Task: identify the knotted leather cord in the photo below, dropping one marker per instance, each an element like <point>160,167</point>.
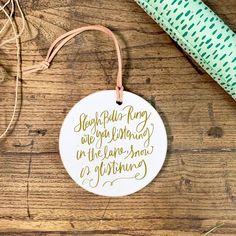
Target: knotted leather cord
<point>55,48</point>
<point>63,39</point>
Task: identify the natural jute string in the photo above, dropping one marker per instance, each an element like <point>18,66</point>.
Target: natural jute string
<point>18,51</point>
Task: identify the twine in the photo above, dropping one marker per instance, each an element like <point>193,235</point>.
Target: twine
<point>16,37</point>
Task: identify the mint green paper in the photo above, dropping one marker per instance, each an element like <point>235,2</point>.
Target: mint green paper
<point>201,33</point>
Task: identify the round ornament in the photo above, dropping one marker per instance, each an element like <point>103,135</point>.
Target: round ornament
<point>110,149</point>
<point>112,143</point>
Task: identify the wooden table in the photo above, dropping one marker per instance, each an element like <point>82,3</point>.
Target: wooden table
<point>195,190</point>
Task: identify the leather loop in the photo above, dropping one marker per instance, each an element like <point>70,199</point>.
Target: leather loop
<point>63,39</point>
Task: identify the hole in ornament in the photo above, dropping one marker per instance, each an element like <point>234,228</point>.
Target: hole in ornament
<point>119,103</point>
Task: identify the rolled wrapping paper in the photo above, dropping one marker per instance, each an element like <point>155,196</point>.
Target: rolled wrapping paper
<point>201,33</point>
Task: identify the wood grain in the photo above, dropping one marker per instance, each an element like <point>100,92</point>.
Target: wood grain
<point>195,190</point>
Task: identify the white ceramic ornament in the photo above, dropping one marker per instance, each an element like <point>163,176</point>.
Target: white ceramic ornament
<point>112,143</point>
<point>110,149</point>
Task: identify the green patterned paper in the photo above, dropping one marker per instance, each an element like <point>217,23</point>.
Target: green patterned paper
<point>201,33</point>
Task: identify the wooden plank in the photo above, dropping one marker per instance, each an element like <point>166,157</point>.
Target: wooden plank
<point>197,186</point>
<point>193,192</point>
